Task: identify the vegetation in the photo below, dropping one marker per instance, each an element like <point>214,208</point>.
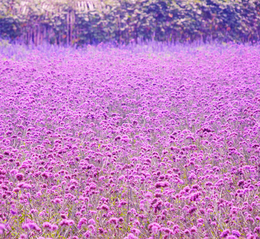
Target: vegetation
<point>80,22</point>
<point>108,144</point>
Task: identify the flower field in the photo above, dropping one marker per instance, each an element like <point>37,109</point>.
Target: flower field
<point>112,143</point>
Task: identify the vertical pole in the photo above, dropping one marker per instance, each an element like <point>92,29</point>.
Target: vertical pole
<point>71,23</point>
<point>41,36</point>
<point>67,37</point>
<point>30,36</point>
<point>38,34</point>
<point>44,33</point>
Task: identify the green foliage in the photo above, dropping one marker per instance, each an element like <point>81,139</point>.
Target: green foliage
<point>160,20</point>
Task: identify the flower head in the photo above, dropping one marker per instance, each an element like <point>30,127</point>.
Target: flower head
<point>19,176</point>
<point>225,233</point>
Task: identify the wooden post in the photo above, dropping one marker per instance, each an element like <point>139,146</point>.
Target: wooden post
<point>48,34</point>
<point>38,34</point>
<point>44,33</point>
<point>71,24</point>
<point>40,31</point>
<point>68,29</point>
<point>30,36</point>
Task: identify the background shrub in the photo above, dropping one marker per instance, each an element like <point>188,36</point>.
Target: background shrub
<point>82,22</point>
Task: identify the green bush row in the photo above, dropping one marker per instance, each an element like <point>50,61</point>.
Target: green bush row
<point>160,20</point>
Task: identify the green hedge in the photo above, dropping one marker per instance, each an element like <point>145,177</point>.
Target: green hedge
<point>160,20</point>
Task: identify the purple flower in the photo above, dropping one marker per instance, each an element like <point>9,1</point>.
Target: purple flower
<point>257,230</point>
<point>57,200</point>
<point>117,138</point>
<point>104,207</point>
<point>193,229</point>
<point>131,236</point>
<point>122,203</point>
<point>192,210</point>
<point>70,222</point>
<point>13,212</point>
<point>2,228</point>
<point>31,226</point>
<point>135,231</point>
<point>19,176</point>
<point>166,230</point>
<point>225,233</point>
<point>34,226</point>
<point>202,211</point>
<point>192,176</point>
<point>91,221</point>
<point>231,237</point>
<point>187,232</point>
<point>155,229</point>
<point>82,221</point>
<point>23,236</point>
<point>25,227</point>
<point>236,233</point>
<point>47,225</point>
<point>54,227</point>
<point>113,220</point>
<point>64,223</point>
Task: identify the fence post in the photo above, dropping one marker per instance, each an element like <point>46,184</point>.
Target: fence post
<point>67,37</point>
<point>44,33</point>
<point>71,26</point>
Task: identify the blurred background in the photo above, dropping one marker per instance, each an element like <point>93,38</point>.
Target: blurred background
<point>81,22</point>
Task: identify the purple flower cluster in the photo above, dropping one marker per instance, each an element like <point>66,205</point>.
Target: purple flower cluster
<point>112,144</point>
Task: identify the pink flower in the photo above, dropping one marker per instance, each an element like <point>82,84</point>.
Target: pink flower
<point>236,233</point>
<point>92,227</point>
<point>54,227</point>
<point>82,221</point>
<point>187,232</point>
<point>192,176</point>
<point>70,222</point>
<point>166,230</point>
<point>19,176</point>
<point>64,223</point>
<point>23,236</point>
<point>122,203</point>
<point>91,221</point>
<point>135,231</point>
<point>113,220</point>
<point>47,225</point>
<point>33,226</point>
<point>87,234</point>
<point>57,200</point>
<point>192,210</point>
<point>16,190</point>
<point>131,236</point>
<point>193,230</point>
<point>2,228</point>
<point>25,227</point>
<point>154,227</point>
<point>225,233</point>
